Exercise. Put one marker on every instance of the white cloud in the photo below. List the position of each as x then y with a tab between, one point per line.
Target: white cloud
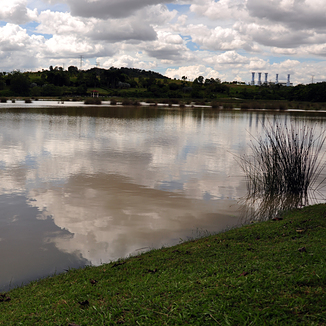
216	39
220	10
125	60
192	72
15	11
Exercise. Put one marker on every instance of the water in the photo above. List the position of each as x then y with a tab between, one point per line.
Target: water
89	185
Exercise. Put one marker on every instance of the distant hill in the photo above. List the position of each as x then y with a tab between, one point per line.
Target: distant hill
130	72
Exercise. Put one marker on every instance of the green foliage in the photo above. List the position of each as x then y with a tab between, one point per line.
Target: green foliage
19	83
270	273
284	166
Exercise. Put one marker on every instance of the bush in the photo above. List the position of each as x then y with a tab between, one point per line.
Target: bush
3	100
283	169
93	101
215	105
28	100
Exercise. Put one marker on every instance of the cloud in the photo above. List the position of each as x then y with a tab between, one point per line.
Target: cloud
59	23
104	9
296	14
224	39
192	72
220	10
168	46
124	60
15	11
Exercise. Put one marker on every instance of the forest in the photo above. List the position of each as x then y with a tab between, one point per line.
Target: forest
141	84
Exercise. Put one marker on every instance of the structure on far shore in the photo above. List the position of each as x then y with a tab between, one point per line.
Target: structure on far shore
277	82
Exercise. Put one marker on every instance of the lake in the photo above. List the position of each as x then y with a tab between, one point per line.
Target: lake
85	186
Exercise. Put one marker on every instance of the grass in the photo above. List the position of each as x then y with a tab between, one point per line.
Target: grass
284	166
268	273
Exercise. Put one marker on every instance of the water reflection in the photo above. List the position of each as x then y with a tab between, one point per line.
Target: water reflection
110	216
89	185
27	247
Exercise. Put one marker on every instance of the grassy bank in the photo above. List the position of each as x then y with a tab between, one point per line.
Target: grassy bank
261	274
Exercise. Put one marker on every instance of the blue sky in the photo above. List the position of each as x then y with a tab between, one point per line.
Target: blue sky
226	39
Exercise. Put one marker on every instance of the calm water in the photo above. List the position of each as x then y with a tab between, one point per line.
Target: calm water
89	185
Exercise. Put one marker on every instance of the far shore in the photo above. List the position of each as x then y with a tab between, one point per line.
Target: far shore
228	104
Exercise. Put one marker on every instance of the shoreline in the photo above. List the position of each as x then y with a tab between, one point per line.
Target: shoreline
267	272
55	103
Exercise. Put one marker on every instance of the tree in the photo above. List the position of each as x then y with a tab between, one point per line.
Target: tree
199	80
19	83
73	70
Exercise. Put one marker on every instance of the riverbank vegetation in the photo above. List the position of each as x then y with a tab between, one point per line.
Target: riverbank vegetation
139	85
284	167
272	272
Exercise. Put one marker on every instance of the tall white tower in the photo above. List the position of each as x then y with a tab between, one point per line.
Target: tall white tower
288	82
266	77
276	82
253	79
259	79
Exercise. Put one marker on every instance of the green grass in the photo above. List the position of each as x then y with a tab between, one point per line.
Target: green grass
269	273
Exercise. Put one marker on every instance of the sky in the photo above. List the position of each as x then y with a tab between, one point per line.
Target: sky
225	39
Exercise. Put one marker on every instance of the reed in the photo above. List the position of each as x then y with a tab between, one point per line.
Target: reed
283	169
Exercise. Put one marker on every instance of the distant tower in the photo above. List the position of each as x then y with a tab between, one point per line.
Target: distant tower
266	77
253	79
276	82
288	82
81	62
259	79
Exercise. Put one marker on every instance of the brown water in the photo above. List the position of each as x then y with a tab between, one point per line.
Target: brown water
89	185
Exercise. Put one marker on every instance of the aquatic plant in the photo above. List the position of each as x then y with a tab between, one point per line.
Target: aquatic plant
283	169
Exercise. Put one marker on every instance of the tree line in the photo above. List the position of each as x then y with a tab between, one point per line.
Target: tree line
137	83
